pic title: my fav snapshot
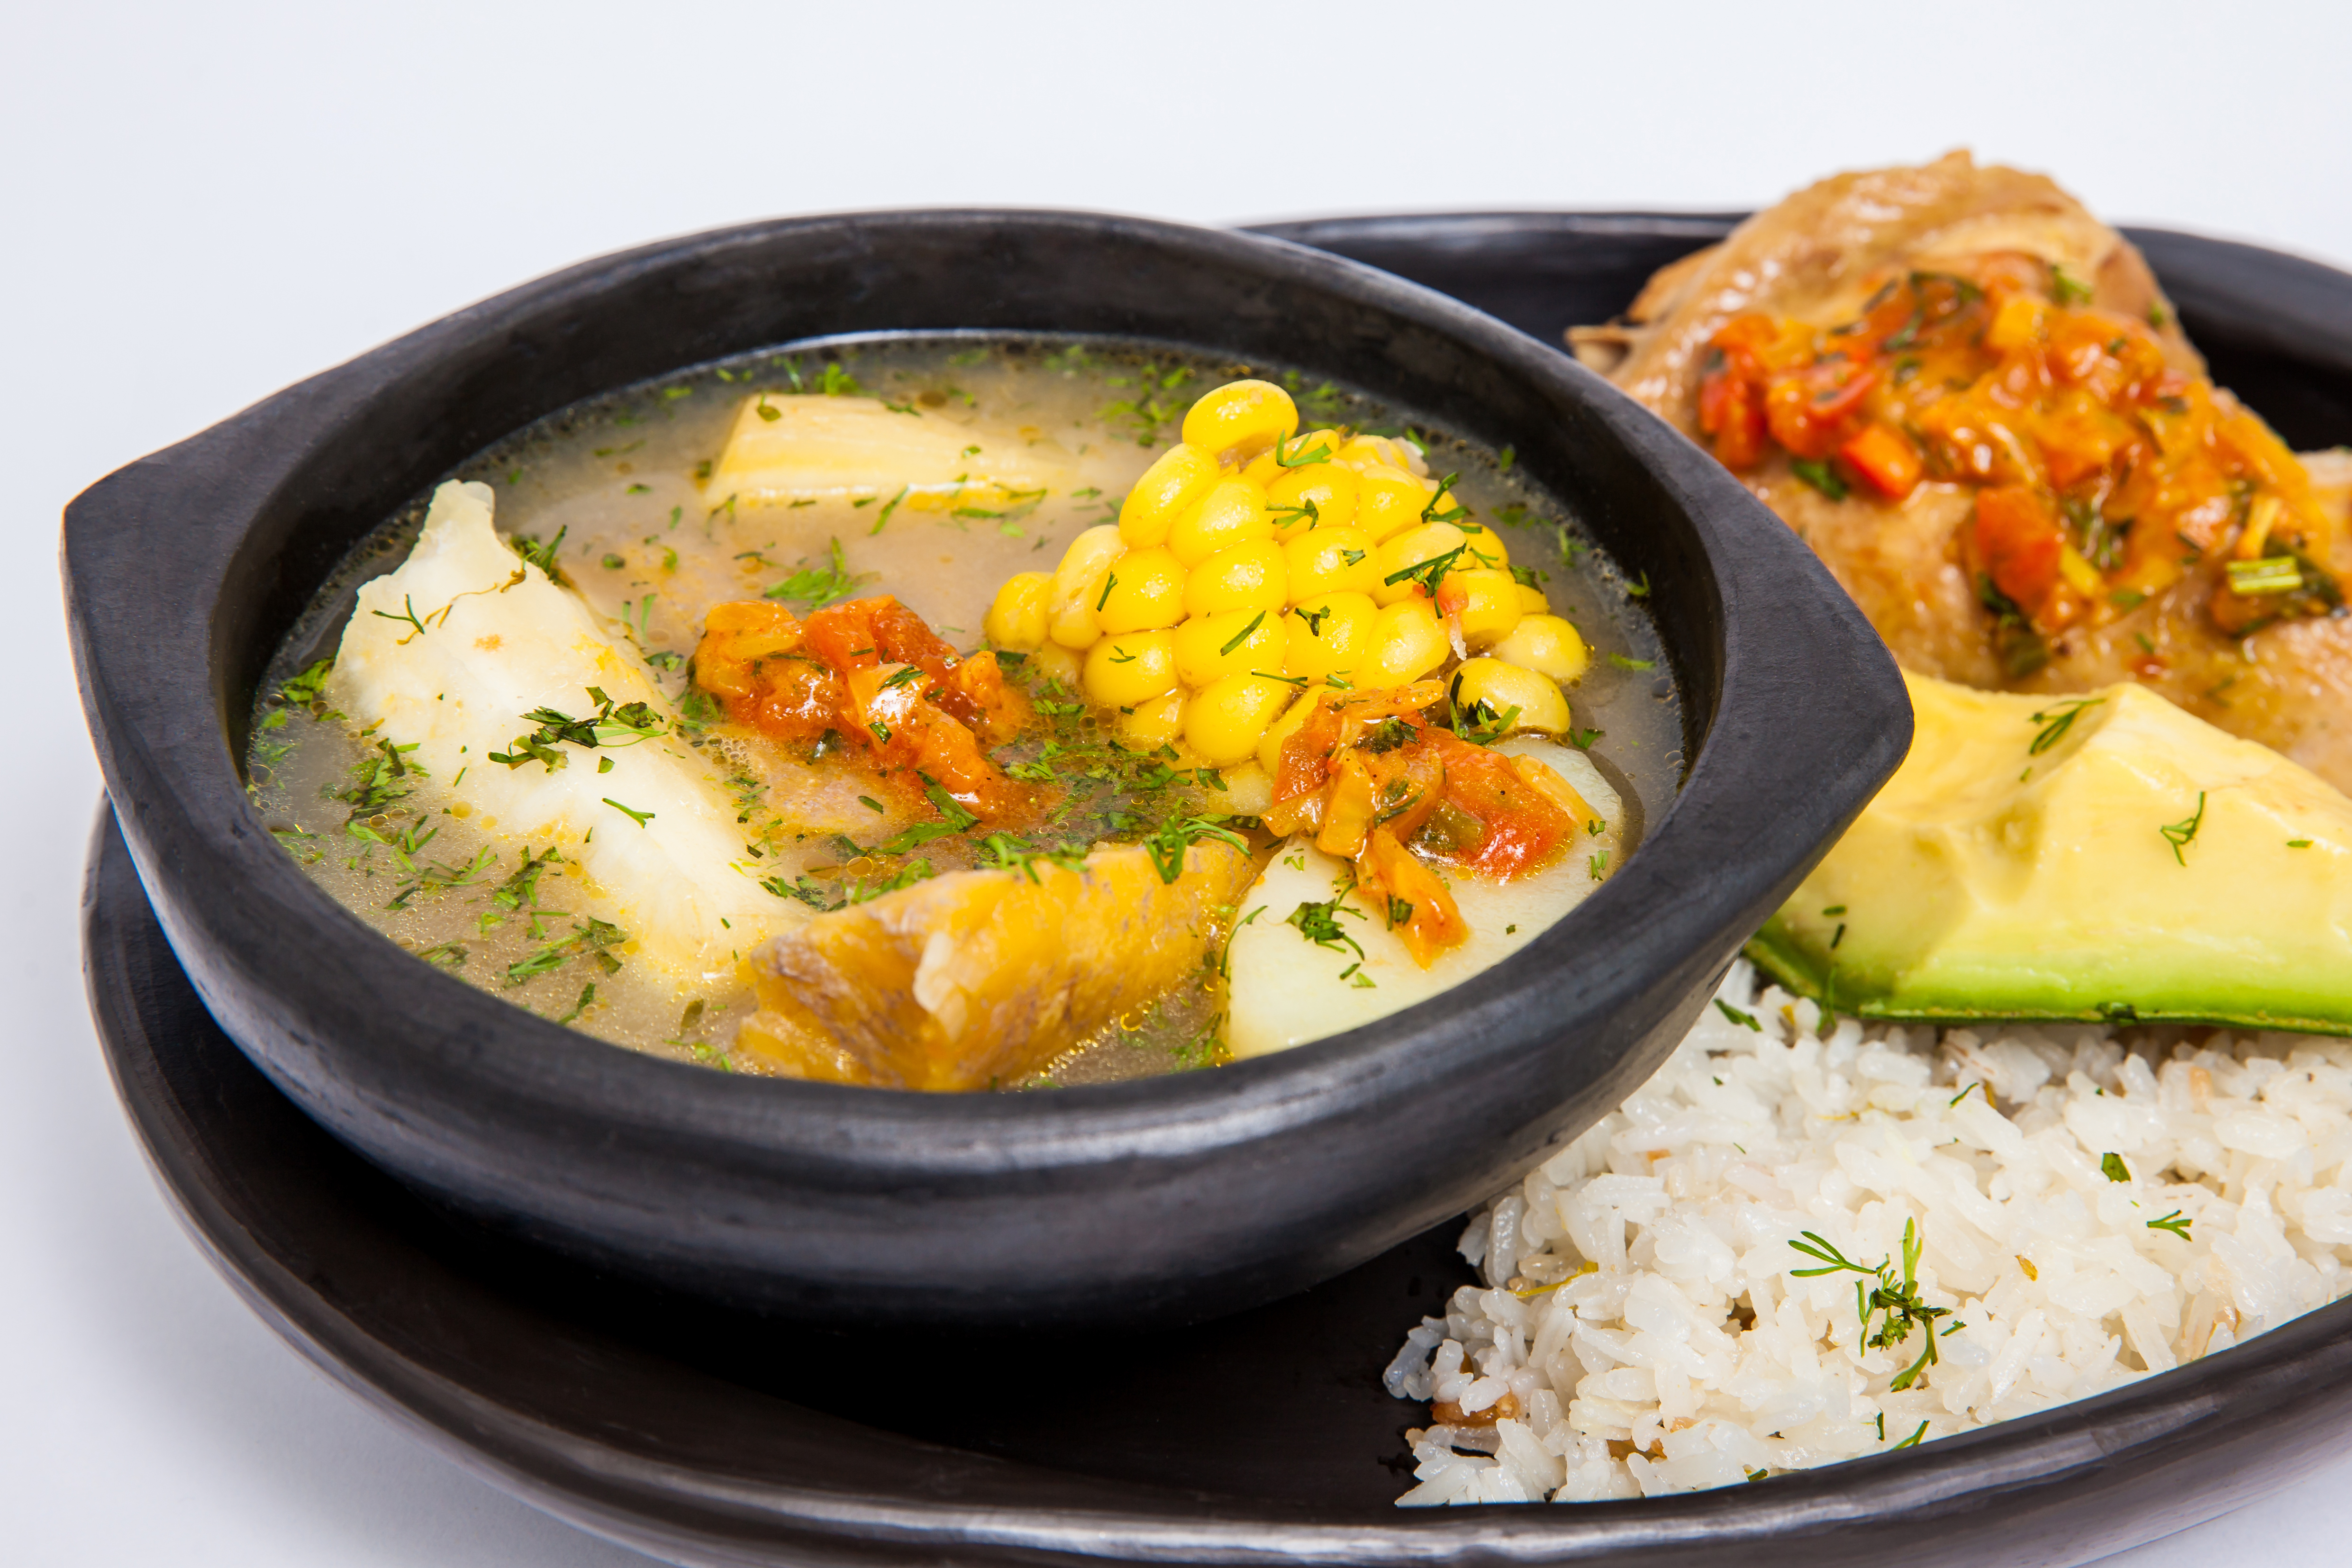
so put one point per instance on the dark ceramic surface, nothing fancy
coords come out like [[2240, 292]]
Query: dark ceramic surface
[[1168, 1199], [709, 1436]]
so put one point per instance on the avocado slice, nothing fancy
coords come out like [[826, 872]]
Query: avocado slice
[[2100, 858]]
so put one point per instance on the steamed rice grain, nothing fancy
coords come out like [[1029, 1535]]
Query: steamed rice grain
[[1642, 1329]]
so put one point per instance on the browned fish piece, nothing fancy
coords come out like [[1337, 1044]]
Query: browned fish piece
[[980, 977], [1819, 258]]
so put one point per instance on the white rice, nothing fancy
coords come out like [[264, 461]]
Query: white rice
[[1682, 1353]]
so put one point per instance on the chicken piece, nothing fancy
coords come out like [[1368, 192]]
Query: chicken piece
[[981, 977], [1822, 252], [2052, 499]]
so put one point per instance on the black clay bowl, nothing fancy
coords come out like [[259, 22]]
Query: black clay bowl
[[1169, 1198]]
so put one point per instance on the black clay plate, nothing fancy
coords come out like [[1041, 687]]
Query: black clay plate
[[709, 1436]]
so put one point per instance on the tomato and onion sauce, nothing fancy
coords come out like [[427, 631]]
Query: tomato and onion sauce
[[2103, 473], [871, 673], [1374, 778]]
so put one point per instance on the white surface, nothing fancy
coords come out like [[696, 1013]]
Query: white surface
[[206, 203]]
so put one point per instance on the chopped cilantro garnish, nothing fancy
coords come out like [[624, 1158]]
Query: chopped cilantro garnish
[[2055, 721], [2181, 834], [2066, 288], [592, 940], [958, 817], [1242, 635], [1007, 852], [1167, 846], [1294, 458], [1319, 923], [816, 587], [1437, 511], [1427, 574]]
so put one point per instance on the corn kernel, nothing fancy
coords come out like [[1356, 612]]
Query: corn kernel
[[1074, 626], [1087, 555], [1369, 451], [1389, 501], [1169, 489], [1485, 604], [1154, 724], [1248, 791], [1123, 671], [1225, 721], [1331, 488], [1237, 420], [1330, 636], [1268, 466], [1548, 646], [1017, 619], [1486, 543], [1532, 600], [1269, 746], [1078, 584], [1503, 687], [1232, 512], [1407, 642], [1056, 663], [1411, 548], [1210, 647], [1146, 592], [1244, 577], [1328, 560]]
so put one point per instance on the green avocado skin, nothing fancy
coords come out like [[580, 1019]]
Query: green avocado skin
[[1805, 968], [2104, 858]]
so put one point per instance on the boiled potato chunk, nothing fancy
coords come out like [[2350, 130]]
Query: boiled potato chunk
[[1287, 990]]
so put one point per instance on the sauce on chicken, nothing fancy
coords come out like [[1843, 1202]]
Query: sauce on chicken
[[1973, 400], [2101, 471]]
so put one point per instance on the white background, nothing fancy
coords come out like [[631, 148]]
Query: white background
[[205, 202]]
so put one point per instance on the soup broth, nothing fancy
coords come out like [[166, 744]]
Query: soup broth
[[617, 497]]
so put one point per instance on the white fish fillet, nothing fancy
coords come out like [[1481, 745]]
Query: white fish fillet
[[501, 639], [1287, 991]]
